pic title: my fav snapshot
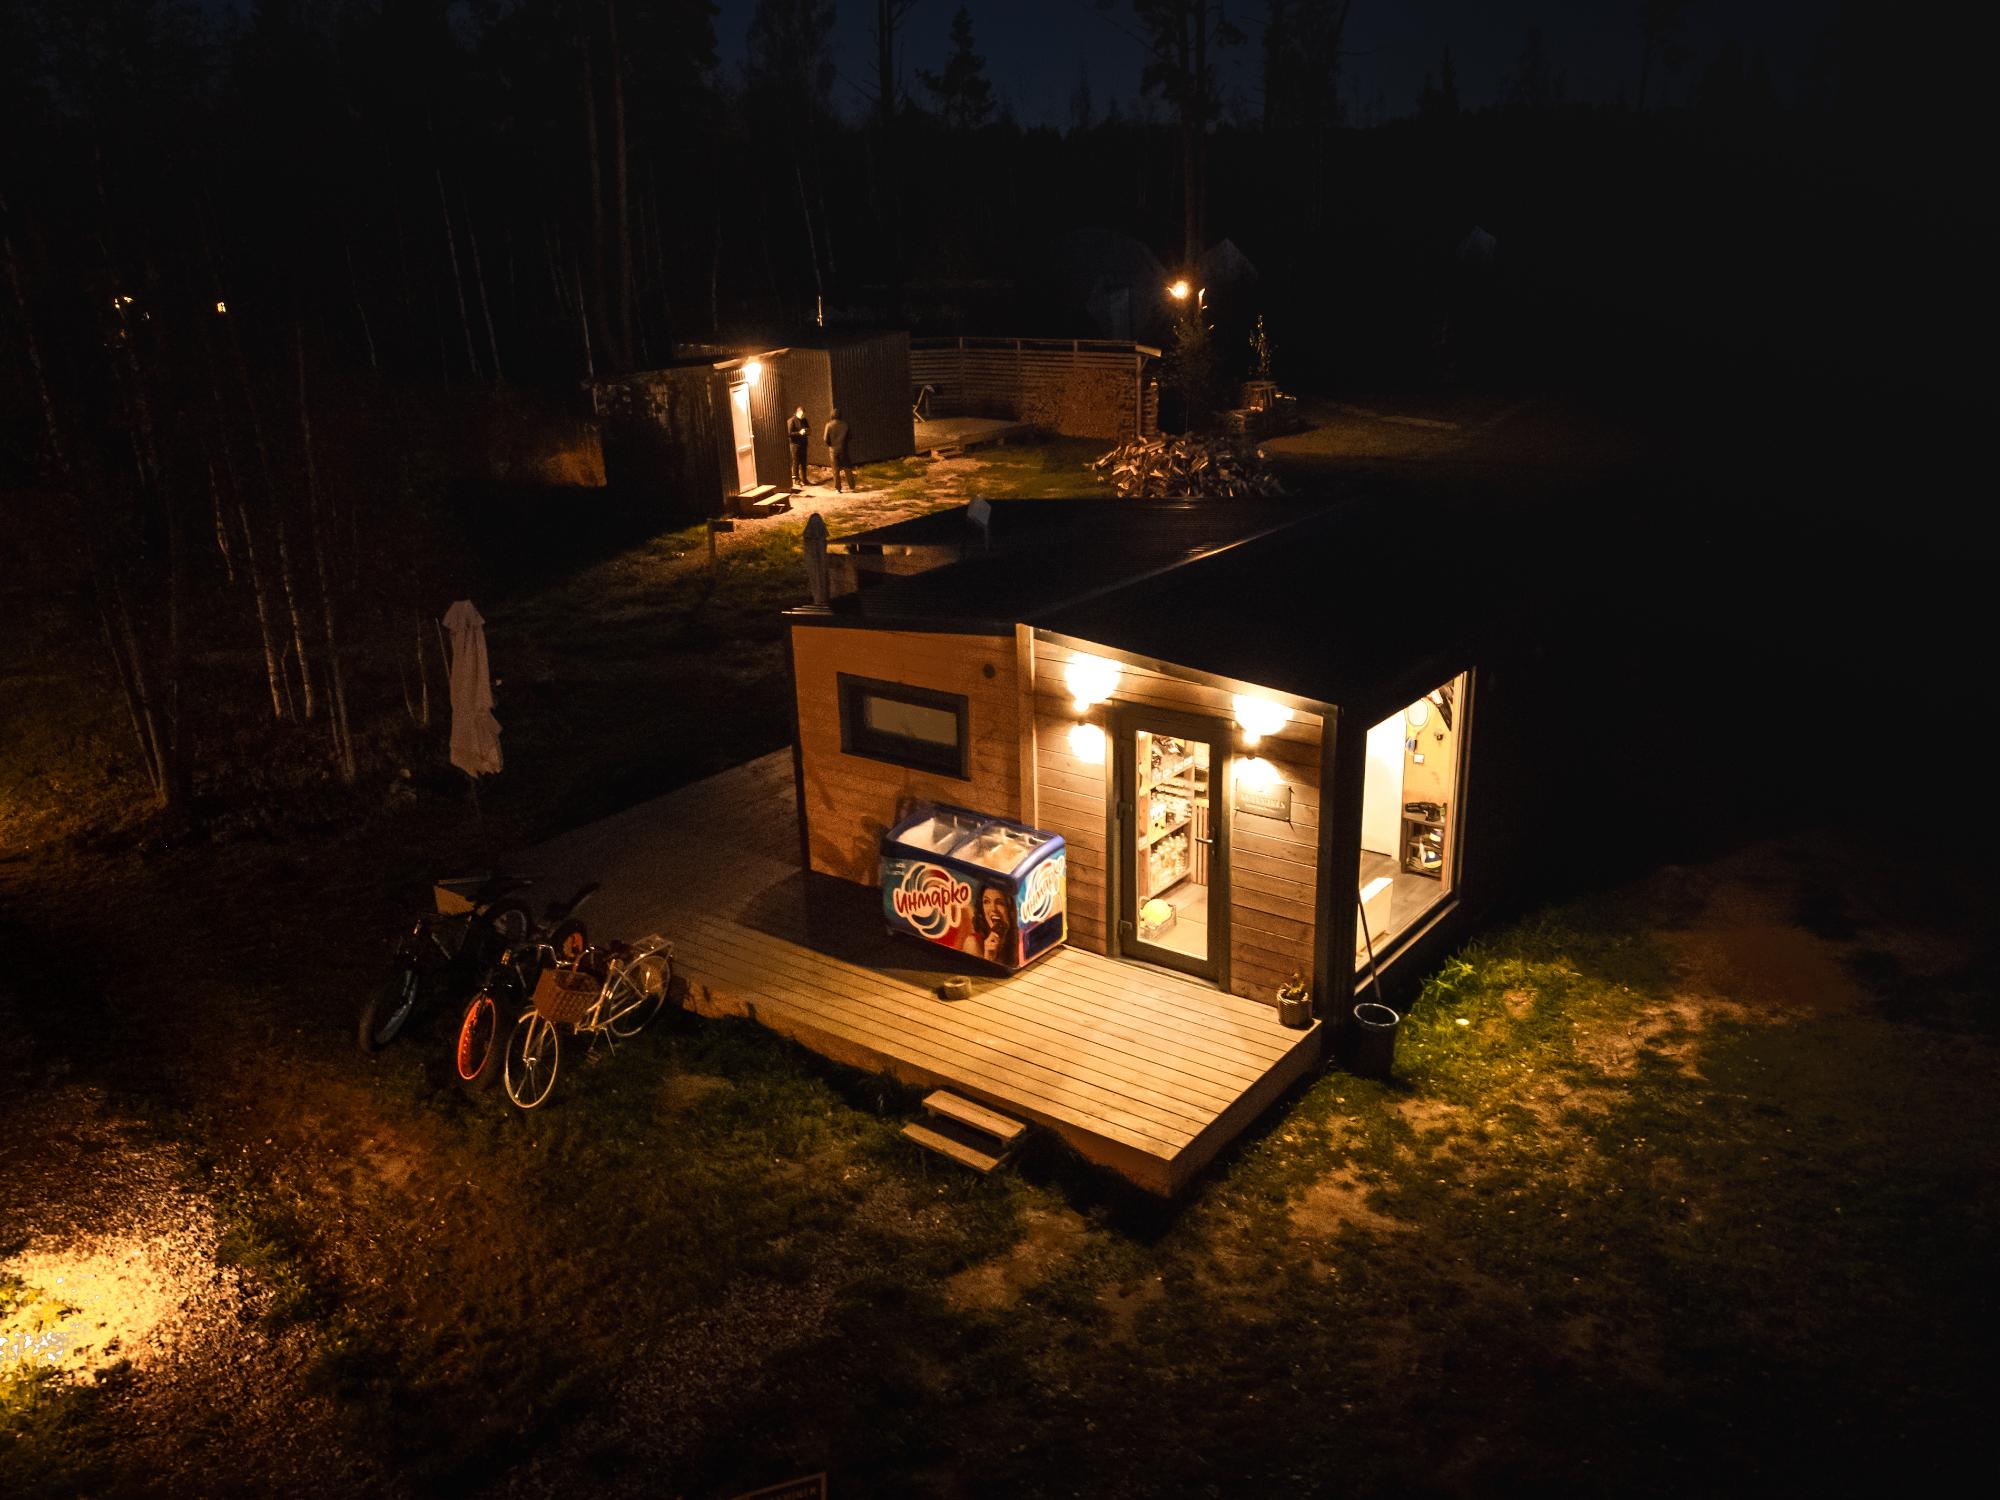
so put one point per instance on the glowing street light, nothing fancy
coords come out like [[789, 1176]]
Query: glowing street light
[[1179, 291]]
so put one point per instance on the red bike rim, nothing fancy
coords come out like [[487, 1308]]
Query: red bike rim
[[469, 1064]]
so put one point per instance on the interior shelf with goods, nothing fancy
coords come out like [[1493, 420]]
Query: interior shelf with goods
[[1423, 838], [1172, 783]]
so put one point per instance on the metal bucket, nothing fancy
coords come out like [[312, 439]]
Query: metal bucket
[[1372, 1039]]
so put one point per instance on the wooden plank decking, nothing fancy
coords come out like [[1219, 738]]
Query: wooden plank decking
[[1139, 1070]]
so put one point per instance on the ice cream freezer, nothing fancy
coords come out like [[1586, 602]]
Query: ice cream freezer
[[985, 886]]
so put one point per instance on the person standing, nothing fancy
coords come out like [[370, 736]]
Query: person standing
[[796, 432], [835, 438]]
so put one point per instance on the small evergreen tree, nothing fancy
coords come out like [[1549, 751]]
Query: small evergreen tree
[[963, 93], [1439, 99]]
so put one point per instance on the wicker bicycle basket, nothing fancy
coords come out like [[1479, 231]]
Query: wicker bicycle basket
[[565, 996]]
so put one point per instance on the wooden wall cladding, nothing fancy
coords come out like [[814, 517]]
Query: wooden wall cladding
[[1065, 387], [850, 799], [1273, 869]]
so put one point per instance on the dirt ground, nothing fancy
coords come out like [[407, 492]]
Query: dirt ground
[[1637, 1160]]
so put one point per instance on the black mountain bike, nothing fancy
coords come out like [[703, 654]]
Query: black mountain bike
[[504, 990], [443, 955]]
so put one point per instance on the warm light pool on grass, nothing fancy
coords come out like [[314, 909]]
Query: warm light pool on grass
[[79, 1310]]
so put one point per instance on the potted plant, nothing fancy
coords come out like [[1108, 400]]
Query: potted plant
[[1295, 1002]]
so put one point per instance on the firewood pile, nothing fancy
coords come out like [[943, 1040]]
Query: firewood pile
[[1187, 467]]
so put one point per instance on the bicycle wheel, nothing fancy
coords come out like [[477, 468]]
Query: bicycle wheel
[[390, 1006], [636, 996], [480, 1033], [532, 1053]]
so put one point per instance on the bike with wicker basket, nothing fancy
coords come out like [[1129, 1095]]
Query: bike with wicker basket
[[610, 993]]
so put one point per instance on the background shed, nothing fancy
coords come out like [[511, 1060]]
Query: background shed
[[865, 375]]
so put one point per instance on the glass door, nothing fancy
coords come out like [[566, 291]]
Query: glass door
[[1171, 850]]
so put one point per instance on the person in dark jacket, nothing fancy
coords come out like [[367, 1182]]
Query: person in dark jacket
[[796, 432], [835, 437]]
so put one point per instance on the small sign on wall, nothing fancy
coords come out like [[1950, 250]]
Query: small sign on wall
[[1274, 801]]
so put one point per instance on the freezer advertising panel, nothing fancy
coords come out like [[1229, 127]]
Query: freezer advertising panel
[[982, 886]]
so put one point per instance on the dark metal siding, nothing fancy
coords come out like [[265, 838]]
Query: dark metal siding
[[806, 380], [871, 386]]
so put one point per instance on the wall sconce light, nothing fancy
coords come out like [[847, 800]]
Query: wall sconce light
[[1256, 774], [1418, 714], [1086, 743], [1091, 679], [1259, 717], [753, 371]]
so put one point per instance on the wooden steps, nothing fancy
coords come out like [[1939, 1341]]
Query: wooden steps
[[764, 500], [968, 1133]]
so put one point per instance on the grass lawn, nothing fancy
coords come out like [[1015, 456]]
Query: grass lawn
[[1680, 1188]]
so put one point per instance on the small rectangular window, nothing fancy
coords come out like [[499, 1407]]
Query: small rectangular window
[[906, 726]]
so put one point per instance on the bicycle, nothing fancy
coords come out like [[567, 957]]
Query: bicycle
[[510, 978], [445, 953], [612, 994]]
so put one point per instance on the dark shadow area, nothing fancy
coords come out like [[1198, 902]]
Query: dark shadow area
[[524, 537]]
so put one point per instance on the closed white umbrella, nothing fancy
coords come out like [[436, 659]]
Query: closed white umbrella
[[475, 733]]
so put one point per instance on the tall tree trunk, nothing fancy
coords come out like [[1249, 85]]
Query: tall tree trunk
[[583, 327], [479, 278], [222, 547], [57, 454], [594, 171], [423, 678], [715, 279], [354, 288], [176, 768], [298, 620], [154, 741], [274, 670], [457, 279], [271, 496], [1194, 135], [888, 13], [116, 627], [343, 742], [622, 206], [812, 245]]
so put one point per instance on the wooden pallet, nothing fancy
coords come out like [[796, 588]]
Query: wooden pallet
[[968, 1133]]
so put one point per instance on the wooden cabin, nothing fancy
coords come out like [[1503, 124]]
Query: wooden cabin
[[1255, 727]]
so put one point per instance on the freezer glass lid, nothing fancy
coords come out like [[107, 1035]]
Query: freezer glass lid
[[939, 833], [1001, 848]]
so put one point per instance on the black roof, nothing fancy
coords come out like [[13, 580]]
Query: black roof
[[1356, 602]]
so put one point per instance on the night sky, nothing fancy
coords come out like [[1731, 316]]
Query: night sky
[[1037, 49]]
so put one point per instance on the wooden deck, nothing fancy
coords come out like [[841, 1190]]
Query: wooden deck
[[1139, 1070], [957, 434]]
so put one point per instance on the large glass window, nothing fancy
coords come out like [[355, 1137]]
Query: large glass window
[[1409, 833], [904, 725]]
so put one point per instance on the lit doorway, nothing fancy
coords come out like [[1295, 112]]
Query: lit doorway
[[746, 440], [1173, 857], [1409, 817]]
